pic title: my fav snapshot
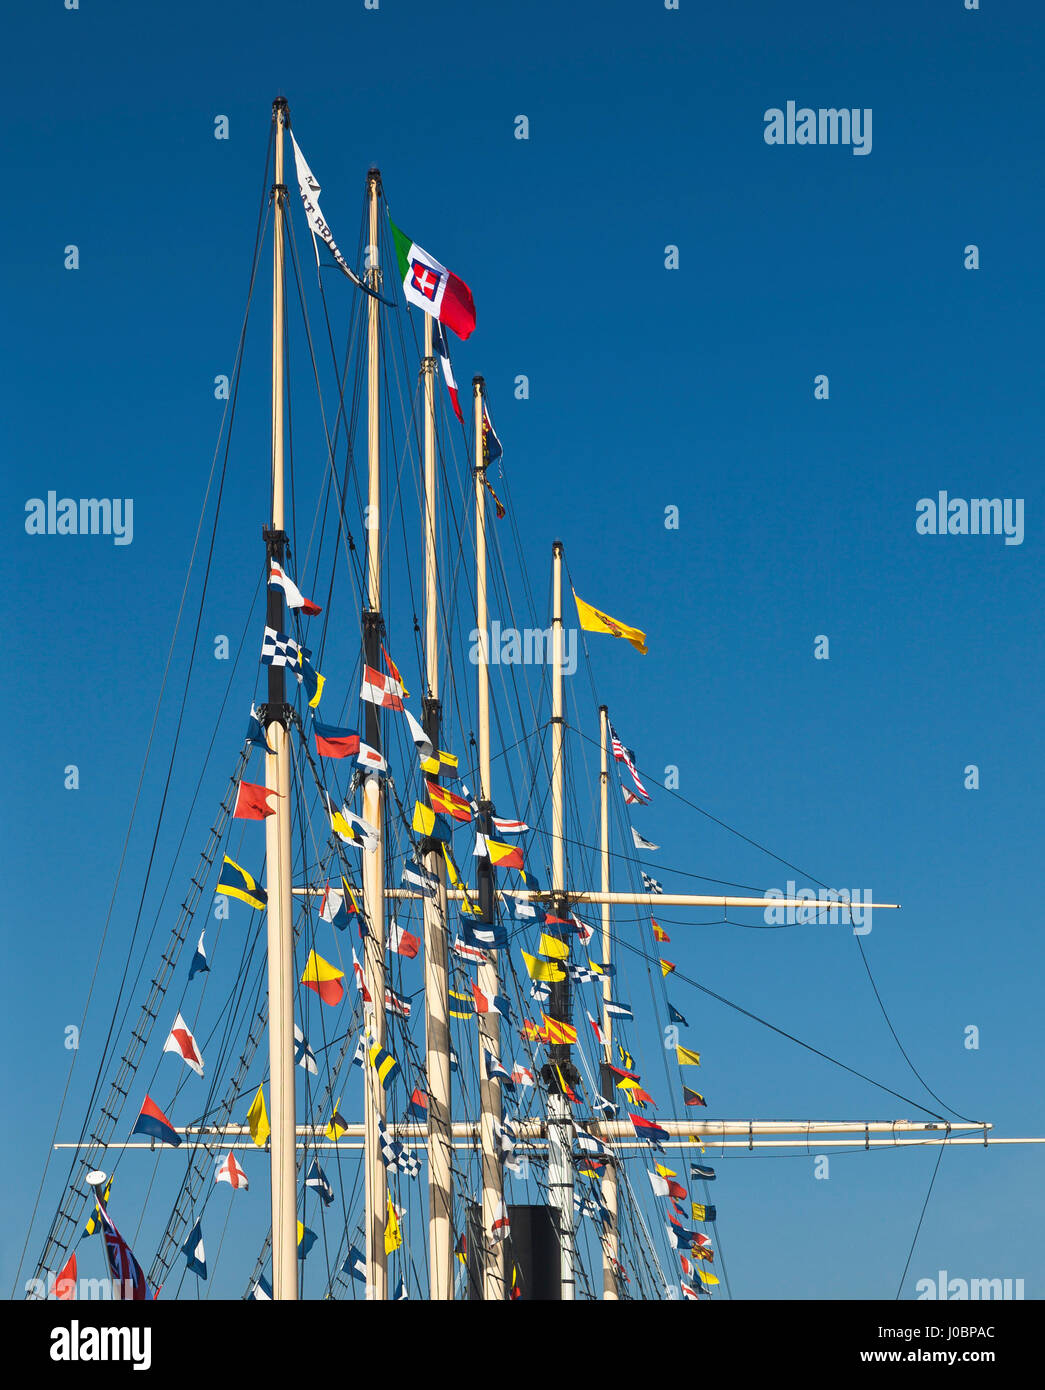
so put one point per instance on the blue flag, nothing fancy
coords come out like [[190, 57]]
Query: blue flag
[[199, 960], [193, 1251], [255, 733]]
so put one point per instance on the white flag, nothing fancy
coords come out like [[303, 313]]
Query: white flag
[[309, 187], [425, 747], [641, 842]]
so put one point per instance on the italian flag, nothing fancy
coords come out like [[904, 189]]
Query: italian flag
[[432, 287]]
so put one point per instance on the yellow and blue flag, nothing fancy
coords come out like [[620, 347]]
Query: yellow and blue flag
[[235, 882]]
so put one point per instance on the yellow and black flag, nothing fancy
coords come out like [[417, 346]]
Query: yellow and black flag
[[594, 620]]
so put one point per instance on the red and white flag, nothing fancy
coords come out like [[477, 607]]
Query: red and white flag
[[522, 1076], [509, 827], [371, 758], [397, 1005], [597, 1031], [500, 1228], [443, 349], [229, 1171], [404, 943], [469, 953], [380, 689], [357, 970], [183, 1043], [279, 579]]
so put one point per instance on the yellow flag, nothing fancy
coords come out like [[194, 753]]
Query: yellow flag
[[393, 1235], [552, 946], [542, 969], [592, 620], [687, 1058], [705, 1277], [699, 1211], [424, 819], [665, 1172], [257, 1118]]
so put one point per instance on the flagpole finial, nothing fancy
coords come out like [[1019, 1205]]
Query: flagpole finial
[[278, 106], [479, 385], [373, 176], [557, 547]]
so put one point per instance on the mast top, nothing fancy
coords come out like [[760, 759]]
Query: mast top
[[479, 384], [557, 547], [280, 105], [373, 176]]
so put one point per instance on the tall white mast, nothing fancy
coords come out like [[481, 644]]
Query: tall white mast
[[277, 827], [437, 1017], [373, 789], [609, 1177], [488, 973], [560, 1124]]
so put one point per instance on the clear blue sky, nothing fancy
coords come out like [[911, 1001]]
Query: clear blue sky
[[649, 388]]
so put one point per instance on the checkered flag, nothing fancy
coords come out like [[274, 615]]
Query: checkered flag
[[277, 649], [580, 974], [651, 885], [396, 1155]]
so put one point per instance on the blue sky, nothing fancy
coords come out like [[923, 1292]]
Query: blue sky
[[649, 388]]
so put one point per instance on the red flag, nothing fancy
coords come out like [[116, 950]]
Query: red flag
[[252, 802], [64, 1286]]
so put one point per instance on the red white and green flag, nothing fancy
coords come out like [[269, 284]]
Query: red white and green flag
[[432, 287]]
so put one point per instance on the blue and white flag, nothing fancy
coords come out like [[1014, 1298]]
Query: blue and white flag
[[495, 1069], [193, 1251], [262, 1290], [588, 1206], [396, 1155], [355, 1264], [651, 885], [315, 1177], [303, 1054], [617, 1010], [416, 876], [199, 960], [489, 936]]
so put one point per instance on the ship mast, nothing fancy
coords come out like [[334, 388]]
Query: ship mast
[[277, 827], [488, 972], [560, 1124], [609, 1178], [373, 789], [437, 1017]]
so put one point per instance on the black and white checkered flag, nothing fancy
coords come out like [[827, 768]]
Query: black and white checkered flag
[[396, 1155]]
